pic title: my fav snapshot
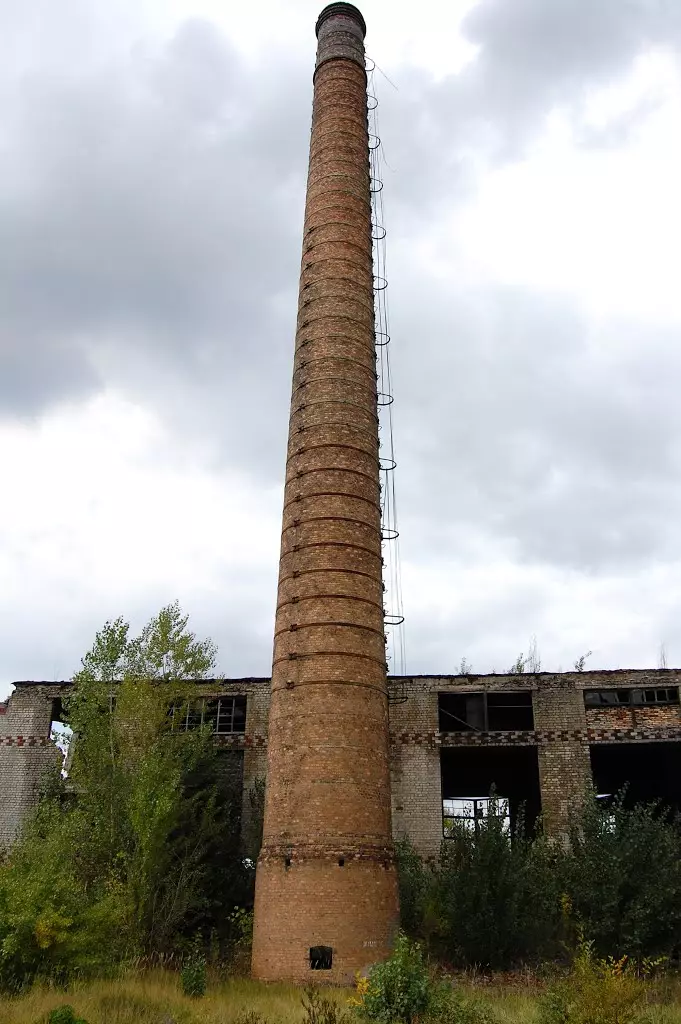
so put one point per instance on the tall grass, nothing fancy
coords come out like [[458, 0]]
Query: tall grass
[[155, 997]]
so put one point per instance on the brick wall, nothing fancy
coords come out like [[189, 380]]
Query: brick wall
[[255, 765], [564, 766], [26, 753], [564, 730], [415, 766]]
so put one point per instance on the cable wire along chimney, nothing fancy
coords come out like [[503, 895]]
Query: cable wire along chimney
[[326, 888]]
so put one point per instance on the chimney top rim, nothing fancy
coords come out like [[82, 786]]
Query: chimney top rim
[[348, 10]]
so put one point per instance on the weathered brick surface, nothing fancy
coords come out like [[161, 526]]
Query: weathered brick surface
[[634, 717], [255, 762], [564, 766], [415, 767], [326, 873], [26, 753], [564, 731]]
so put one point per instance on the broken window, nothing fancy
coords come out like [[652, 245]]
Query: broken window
[[633, 696], [478, 712], [510, 710], [321, 958], [461, 712], [470, 811], [223, 714]]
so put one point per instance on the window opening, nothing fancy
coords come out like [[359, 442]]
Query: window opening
[[470, 811], [225, 715], [479, 712], [321, 958], [510, 710], [648, 773], [633, 696]]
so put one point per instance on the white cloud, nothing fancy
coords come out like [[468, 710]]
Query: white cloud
[[602, 223], [107, 513], [534, 230]]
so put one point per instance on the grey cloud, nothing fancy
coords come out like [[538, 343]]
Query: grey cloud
[[533, 56], [143, 215], [150, 223], [562, 442], [54, 653]]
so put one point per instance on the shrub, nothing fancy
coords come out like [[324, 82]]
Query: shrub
[[193, 974], [497, 895], [450, 1007], [241, 922], [64, 1015], [596, 992], [624, 878], [416, 889], [399, 989], [321, 1009]]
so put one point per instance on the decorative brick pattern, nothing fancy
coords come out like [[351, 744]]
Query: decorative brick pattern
[[635, 717], [26, 753], [415, 767], [564, 732]]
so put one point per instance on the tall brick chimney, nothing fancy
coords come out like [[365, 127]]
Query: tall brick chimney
[[326, 888]]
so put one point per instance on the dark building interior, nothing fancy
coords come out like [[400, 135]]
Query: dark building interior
[[470, 774], [480, 712], [650, 771]]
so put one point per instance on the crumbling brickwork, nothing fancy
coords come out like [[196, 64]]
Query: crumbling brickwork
[[415, 767], [564, 733], [564, 769], [26, 753]]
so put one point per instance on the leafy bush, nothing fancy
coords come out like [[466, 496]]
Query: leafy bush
[[498, 895], [241, 921], [193, 974], [64, 1015], [623, 877], [400, 988], [497, 900], [596, 992], [416, 889]]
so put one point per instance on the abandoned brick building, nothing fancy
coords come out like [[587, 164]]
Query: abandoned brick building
[[539, 739], [355, 759]]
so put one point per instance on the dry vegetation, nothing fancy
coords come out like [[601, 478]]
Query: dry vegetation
[[156, 998]]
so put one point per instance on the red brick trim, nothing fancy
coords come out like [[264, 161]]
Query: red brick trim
[[25, 741]]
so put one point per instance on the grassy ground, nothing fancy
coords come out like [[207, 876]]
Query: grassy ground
[[155, 998]]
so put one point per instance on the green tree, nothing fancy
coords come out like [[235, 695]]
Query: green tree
[[139, 849]]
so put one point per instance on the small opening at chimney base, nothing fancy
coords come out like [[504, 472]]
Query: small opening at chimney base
[[341, 862], [287, 862], [321, 958]]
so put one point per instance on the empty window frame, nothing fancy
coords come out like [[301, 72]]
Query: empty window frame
[[224, 714], [629, 697], [468, 812], [321, 958], [479, 712]]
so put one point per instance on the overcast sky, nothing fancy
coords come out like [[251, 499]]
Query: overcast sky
[[153, 156]]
